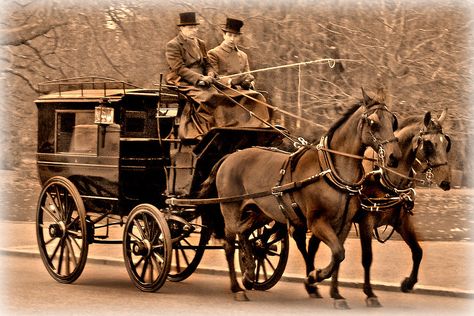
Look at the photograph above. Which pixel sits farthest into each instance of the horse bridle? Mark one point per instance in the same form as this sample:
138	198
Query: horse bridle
377	142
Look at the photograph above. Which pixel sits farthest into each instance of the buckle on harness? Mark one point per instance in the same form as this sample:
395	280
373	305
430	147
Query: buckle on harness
276	192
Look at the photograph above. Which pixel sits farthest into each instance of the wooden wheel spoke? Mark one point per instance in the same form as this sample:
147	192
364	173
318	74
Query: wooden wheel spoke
273	253
61	256
146	226
139	261
51	258
185	257
76	219
71	249
157	264
46	210
145	267
264	269
140	228
130	234
68	258
178	262
257	272
58	202
270	263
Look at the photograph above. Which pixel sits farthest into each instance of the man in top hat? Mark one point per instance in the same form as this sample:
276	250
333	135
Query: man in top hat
186	55
191	72
228	60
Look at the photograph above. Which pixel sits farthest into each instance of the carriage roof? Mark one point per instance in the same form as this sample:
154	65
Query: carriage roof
93	89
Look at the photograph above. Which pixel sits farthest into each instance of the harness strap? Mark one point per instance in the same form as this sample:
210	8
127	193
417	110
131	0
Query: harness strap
294	215
275	190
326	163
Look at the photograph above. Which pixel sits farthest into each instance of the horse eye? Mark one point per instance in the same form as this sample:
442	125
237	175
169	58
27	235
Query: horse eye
428	147
373	125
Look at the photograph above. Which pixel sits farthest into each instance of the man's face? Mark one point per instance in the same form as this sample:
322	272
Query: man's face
189	30
231	38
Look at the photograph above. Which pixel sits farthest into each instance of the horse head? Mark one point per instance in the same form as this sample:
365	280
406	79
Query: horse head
432	147
377	126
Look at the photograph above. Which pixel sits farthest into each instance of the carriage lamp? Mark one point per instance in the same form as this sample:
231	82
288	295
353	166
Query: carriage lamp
104	113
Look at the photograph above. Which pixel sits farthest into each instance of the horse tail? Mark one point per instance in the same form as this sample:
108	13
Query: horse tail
211	213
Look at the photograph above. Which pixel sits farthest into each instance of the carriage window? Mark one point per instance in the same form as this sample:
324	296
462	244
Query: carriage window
135	122
76	132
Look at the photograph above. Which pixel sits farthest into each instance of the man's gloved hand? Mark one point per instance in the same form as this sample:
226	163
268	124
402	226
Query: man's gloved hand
249	77
205	81
212	74
237	80
246	85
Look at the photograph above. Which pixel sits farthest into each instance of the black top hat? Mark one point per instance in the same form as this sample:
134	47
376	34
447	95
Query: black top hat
187	18
233	26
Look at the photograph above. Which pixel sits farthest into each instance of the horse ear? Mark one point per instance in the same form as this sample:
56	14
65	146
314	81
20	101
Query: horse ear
442	117
415	142
380	95
365	97
427	118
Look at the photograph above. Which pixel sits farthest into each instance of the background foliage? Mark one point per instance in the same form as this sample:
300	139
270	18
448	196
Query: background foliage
420	53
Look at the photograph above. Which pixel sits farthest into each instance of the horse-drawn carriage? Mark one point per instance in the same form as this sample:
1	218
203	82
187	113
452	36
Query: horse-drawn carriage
109	154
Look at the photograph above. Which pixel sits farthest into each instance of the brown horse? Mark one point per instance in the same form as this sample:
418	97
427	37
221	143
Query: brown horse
308	190
424	149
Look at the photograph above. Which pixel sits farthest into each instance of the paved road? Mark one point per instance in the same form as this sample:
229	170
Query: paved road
106	290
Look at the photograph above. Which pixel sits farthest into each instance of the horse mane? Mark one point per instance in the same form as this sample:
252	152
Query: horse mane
342	119
409	121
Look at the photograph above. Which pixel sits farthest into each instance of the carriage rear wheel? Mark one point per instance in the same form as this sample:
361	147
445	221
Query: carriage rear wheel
270	245
147	247
61	230
187	249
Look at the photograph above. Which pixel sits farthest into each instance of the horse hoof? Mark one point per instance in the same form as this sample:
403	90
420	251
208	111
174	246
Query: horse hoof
315	294
241	296
341	304
406	286
372	302
312	290
247	282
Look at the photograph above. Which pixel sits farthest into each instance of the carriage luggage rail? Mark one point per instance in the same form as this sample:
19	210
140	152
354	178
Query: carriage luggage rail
84	83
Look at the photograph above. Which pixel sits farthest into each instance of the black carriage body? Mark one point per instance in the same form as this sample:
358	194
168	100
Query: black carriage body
114	166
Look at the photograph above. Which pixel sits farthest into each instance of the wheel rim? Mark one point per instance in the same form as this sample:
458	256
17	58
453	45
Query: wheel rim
61	230
188	250
270	246
147	247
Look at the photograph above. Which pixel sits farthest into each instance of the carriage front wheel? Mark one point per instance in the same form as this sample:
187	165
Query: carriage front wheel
61	230
270	247
147	247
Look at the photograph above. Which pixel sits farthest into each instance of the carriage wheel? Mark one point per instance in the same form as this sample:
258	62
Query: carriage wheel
147	247
61	230
270	245
188	251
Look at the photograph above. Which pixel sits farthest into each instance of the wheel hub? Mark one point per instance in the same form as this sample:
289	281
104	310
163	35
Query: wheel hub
57	230
142	248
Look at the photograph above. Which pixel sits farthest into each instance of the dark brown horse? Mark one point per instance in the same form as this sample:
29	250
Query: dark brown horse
309	190
424	149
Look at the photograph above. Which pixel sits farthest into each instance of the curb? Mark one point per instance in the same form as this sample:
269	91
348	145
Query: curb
376	285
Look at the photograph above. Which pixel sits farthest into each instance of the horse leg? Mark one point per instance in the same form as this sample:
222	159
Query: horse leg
229	247
366	227
248	276
299	235
339	301
407	231
324	232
